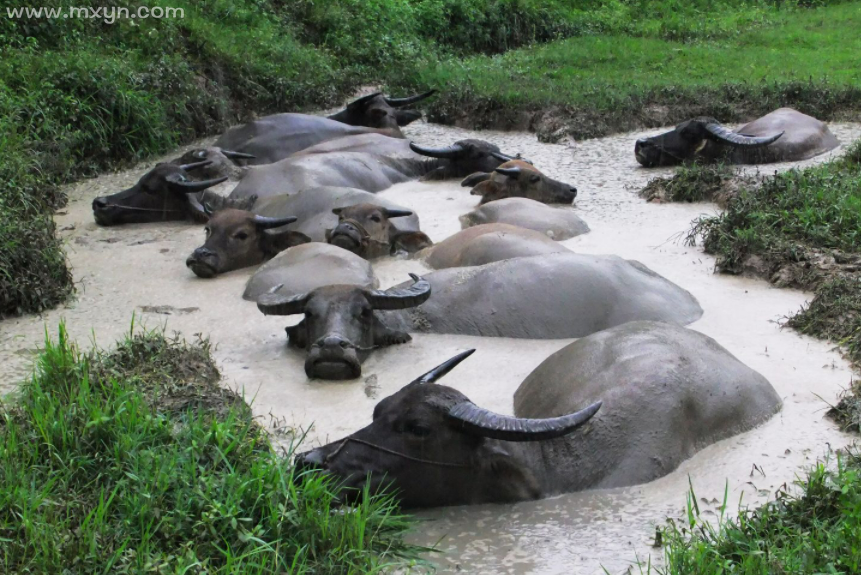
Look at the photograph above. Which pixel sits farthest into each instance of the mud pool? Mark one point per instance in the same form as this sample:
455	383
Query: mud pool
141	270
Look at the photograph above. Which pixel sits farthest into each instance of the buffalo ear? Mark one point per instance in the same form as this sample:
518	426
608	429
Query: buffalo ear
296	335
196	209
410	242
274	243
337	211
513	481
475	179
405	117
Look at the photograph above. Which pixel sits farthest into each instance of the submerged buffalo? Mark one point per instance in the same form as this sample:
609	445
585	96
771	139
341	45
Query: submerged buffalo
273	138
554	222
519	179
237	239
647	395
167	192
367	231
489	243
784	135
392	161
340	327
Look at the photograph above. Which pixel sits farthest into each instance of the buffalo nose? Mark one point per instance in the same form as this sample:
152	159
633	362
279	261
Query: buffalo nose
100	204
310	461
333	341
573	191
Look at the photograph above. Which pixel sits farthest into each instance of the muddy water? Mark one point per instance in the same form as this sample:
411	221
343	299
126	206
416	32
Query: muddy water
140	270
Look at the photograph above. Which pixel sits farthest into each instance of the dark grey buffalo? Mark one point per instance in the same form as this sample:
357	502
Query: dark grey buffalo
555	222
273	138
519	179
340	327
392	161
551	296
238	239
784	135
488	243
647	396
167	192
367	231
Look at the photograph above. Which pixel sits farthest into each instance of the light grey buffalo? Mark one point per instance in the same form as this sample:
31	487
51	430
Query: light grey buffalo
621	407
551	296
353	164
785	135
273	138
519	179
555	222
488	243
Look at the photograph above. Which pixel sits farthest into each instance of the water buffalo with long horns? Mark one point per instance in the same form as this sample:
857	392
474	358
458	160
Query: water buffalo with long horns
340	327
237	239
621	407
167	192
221	162
519	179
784	135
392	161
273	138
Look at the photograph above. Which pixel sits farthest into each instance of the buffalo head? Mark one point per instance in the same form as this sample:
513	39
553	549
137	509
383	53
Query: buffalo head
340	327
167	192
461	159
435	447
238	239
378	111
519	179
704	137
221	162
366	230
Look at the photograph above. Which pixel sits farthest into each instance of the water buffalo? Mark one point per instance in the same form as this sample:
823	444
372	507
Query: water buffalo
340	327
307	267
784	135
488	243
273	138
237	239
552	296
221	162
167	192
393	161
366	230
650	395
519	179
556	223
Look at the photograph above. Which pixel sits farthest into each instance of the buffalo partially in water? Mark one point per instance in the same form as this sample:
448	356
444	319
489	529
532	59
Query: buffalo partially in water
367	231
784	135
519	179
554	222
647	395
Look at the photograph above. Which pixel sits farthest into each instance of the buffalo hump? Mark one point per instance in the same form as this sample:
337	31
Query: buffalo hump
558	223
667	392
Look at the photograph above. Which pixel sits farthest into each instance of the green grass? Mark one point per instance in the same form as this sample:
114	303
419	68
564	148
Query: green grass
695	182
816	530
136	461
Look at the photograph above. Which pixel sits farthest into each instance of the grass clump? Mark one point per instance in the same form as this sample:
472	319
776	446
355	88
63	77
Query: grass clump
695	183
136	460
813	531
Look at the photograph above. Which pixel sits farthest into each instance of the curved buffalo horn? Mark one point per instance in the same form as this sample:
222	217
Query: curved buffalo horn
479	421
180	184
265	223
503	157
273	304
195	165
724	134
510	172
450	152
363	100
439	371
238	155
398	102
396	213
395	298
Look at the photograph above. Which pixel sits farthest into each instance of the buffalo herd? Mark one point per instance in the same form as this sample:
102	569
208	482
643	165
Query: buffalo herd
636	394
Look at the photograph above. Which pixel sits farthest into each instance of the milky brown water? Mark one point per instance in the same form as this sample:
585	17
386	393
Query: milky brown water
140	270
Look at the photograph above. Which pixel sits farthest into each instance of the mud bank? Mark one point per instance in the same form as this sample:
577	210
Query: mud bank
141	270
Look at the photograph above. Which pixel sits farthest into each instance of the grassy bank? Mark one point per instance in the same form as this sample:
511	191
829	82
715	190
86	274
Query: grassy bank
815	530
78	96
136	461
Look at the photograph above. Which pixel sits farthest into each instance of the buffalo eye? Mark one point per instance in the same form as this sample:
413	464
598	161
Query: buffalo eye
241	236
376	218
417	429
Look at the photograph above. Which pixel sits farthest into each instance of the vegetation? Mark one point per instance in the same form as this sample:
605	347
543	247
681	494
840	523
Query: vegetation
137	461
79	95
696	182
814	531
